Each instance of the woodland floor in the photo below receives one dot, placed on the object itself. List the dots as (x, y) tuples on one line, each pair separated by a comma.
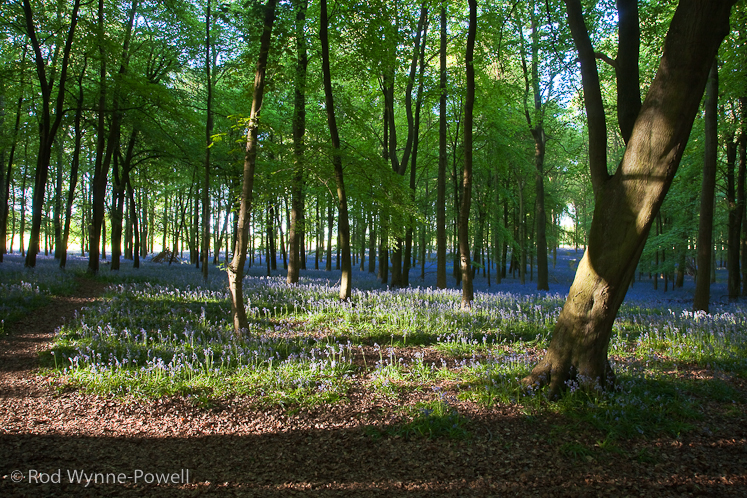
[(233, 449)]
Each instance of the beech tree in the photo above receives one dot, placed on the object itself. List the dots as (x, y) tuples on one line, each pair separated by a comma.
[(707, 195), (296, 227), (343, 223), (49, 124), (464, 211), (441, 189), (628, 200), (236, 267)]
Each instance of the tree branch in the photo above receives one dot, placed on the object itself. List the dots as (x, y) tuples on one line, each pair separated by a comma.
[(592, 96), (606, 58), (626, 70)]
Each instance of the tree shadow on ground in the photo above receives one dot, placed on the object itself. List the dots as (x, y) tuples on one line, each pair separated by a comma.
[(512, 457)]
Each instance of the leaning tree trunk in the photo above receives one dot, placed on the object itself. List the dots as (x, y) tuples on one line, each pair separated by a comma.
[(236, 268), (343, 223), (628, 201)]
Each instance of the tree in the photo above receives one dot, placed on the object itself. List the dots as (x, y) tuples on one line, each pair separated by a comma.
[(48, 126), (464, 211), (299, 129), (343, 223), (628, 200), (707, 194), (6, 176), (535, 121), (441, 189), (208, 146), (236, 267), (74, 167)]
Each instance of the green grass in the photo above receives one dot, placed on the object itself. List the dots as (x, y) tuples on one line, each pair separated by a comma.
[(151, 339)]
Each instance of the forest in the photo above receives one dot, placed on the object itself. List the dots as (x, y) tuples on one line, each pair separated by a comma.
[(492, 228)]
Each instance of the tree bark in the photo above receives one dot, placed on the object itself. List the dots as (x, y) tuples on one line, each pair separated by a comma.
[(372, 244), (414, 135), (118, 201), (628, 201), (464, 211), (74, 167), (299, 130), (7, 178), (536, 128), (343, 223), (441, 189), (208, 146), (707, 195), (330, 225), (736, 209), (47, 126), (57, 209), (107, 147), (236, 268), (741, 194)]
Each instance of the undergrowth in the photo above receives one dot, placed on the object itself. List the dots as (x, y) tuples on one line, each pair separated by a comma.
[(305, 348)]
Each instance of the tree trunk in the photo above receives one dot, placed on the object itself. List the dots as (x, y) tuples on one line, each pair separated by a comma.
[(107, 147), (319, 236), (343, 224), (413, 136), (117, 214), (299, 130), (441, 189), (741, 194), (6, 176), (707, 195), (118, 200), (271, 245), (208, 145), (735, 218), (57, 210), (236, 268), (628, 201), (330, 222), (74, 167), (372, 244), (47, 126), (135, 228), (536, 127), (363, 243), (464, 211), (282, 240), (22, 222), (4, 186), (383, 274)]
